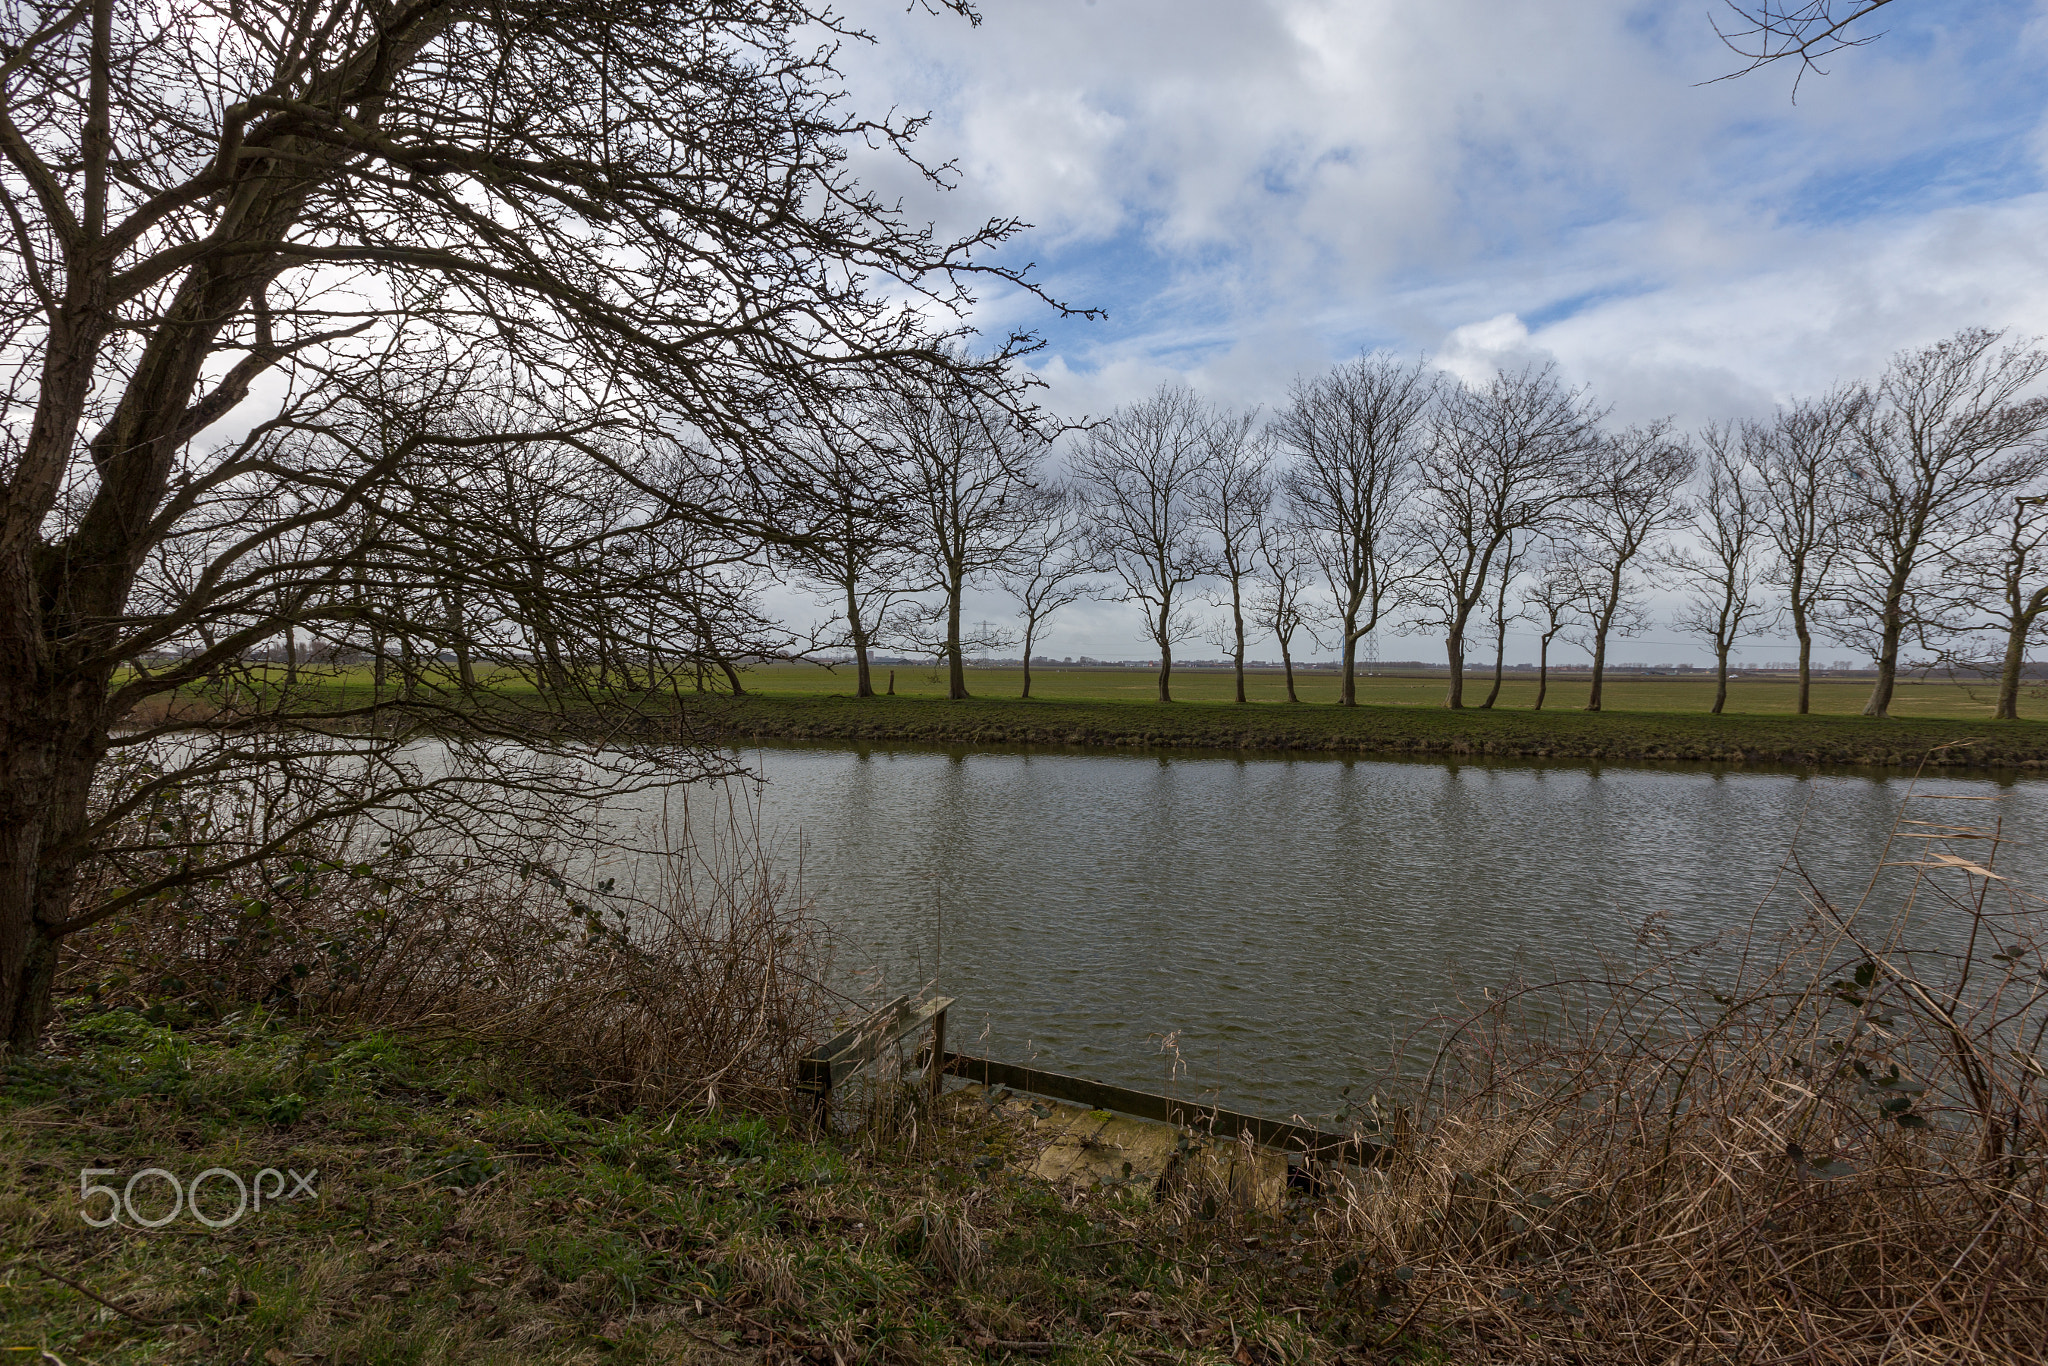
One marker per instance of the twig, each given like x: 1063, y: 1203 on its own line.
x: 90, y: 1294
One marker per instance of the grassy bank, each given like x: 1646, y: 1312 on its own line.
x: 463, y: 1216
x: 1748, y: 694
x: 1759, y: 695
x: 1380, y: 729
x: 1645, y: 718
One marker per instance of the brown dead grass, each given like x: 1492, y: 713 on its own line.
x: 1841, y: 1157
x: 703, y: 992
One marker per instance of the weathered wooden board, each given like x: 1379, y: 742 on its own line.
x: 1181, y: 1114
x: 840, y: 1057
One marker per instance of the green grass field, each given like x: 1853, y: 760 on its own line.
x: 1646, y: 718
x: 1768, y: 696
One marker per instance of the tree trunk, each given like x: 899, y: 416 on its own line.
x: 1347, y: 692
x: 1805, y: 637
x: 956, y: 667
x: 51, y: 741
x: 1599, y: 668
x: 291, y: 657
x: 458, y: 640
x: 1029, y: 624
x: 1805, y: 671
x: 1237, y: 620
x: 732, y: 676
x: 1165, y: 652
x: 856, y: 629
x: 2009, y: 672
x: 1605, y: 624
x: 1880, y: 703
x: 1454, y: 646
x: 1287, y: 667
x: 1500, y: 655
x: 1720, y: 679
x: 1542, y: 672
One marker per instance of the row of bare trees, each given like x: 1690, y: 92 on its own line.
x: 1902, y: 517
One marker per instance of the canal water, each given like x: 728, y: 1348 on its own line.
x: 1273, y: 927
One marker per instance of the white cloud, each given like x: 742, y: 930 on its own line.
x: 1256, y: 188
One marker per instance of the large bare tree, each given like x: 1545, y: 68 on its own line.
x: 1355, y: 436
x: 1948, y: 428
x: 1503, y: 458
x: 255, y: 253
x: 1141, y: 470
x: 1630, y: 500
x: 1802, y: 464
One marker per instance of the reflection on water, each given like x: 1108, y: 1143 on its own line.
x: 1287, y: 917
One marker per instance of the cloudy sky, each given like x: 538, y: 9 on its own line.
x: 1255, y: 188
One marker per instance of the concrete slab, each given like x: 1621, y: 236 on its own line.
x: 1089, y: 1148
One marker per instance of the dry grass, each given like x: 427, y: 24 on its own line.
x: 701, y: 992
x: 1841, y: 1157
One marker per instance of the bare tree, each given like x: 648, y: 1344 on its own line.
x: 1355, y: 435
x: 1513, y: 560
x: 1232, y: 501
x: 1948, y: 428
x: 1502, y: 459
x: 1285, y: 564
x: 611, y: 217
x: 971, y: 464
x: 1723, y: 565
x: 1801, y: 461
x: 1141, y: 470
x: 850, y: 535
x: 1630, y: 499
x: 1996, y: 584
x: 1049, y: 567
x: 1554, y: 600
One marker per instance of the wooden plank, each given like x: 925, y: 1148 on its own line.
x: 1230, y: 1124
x: 838, y: 1059
x: 814, y: 1071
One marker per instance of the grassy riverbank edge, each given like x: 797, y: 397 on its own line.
x: 1803, y: 741
x: 461, y: 1215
